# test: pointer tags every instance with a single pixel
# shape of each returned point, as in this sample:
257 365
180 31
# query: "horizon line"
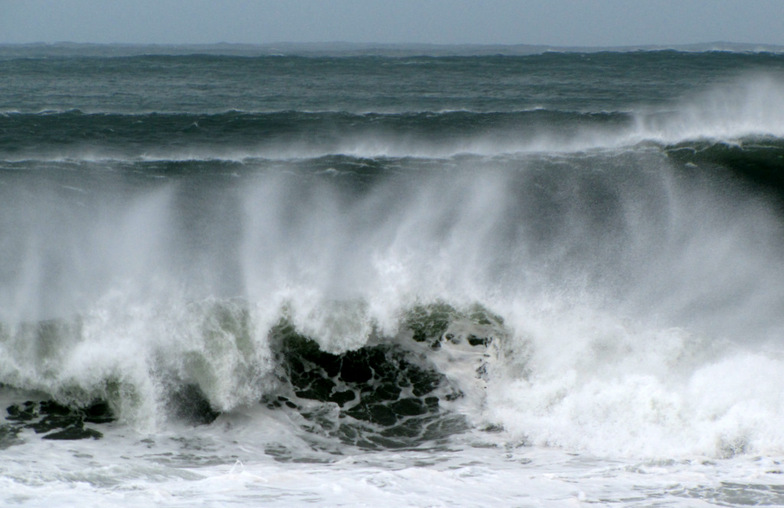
390 48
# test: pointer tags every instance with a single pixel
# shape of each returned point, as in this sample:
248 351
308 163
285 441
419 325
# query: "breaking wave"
525 258
573 300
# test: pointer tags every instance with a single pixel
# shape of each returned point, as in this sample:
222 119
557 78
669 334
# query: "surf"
564 300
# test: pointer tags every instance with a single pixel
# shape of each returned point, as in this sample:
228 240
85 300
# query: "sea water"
390 278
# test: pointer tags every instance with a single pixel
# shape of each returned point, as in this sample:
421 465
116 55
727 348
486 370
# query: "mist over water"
576 270
610 256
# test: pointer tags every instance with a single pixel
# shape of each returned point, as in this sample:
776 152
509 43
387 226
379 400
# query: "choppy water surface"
392 280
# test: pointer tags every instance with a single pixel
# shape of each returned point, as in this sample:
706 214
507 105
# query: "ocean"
391 278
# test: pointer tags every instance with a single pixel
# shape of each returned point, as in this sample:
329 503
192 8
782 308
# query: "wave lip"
751 107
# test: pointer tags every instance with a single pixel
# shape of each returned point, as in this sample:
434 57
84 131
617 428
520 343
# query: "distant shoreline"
354 49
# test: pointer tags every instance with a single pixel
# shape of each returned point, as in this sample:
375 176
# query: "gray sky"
550 22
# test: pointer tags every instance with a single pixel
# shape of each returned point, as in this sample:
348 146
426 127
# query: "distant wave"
741 110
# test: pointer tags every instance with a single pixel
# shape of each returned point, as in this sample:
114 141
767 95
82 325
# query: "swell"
745 112
73 134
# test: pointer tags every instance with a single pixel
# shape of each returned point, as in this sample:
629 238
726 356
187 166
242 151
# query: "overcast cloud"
550 22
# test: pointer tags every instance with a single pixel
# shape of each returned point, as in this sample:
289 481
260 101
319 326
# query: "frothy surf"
604 329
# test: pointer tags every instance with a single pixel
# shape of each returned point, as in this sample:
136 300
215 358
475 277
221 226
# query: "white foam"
596 384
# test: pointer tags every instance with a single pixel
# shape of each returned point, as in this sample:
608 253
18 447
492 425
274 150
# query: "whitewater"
357 279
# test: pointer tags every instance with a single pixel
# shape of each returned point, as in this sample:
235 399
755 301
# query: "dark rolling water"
394 280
